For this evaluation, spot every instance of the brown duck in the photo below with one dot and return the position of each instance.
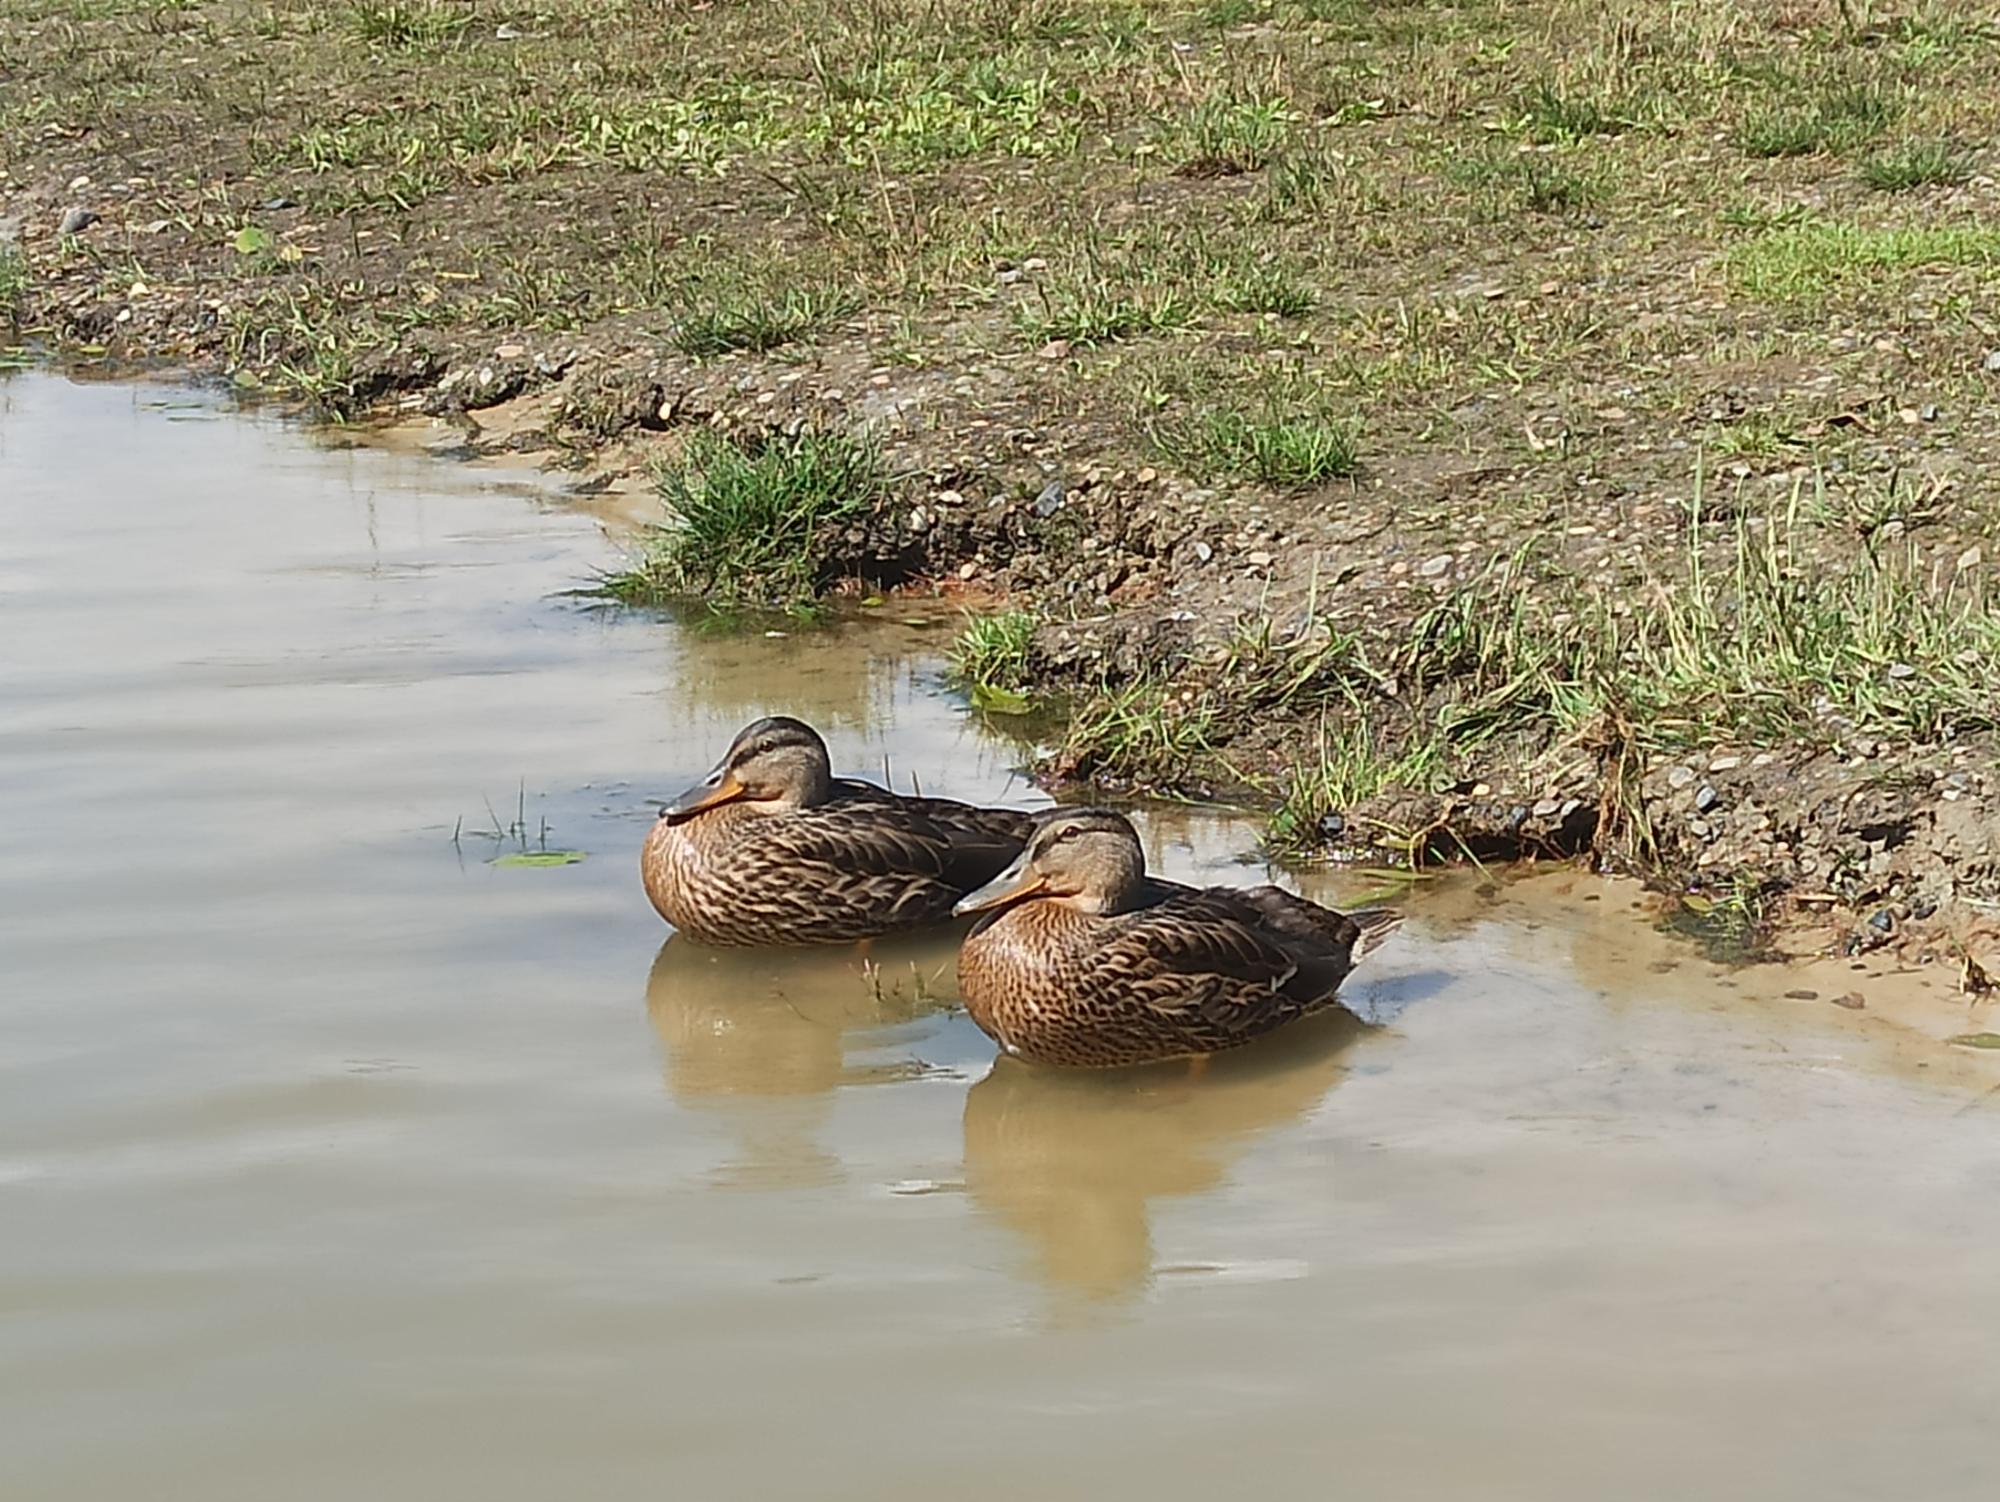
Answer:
(772, 848)
(1084, 959)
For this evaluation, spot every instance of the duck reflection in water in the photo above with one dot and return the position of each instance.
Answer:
(760, 1039)
(1075, 1163)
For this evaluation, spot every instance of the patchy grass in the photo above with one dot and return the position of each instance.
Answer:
(1807, 261)
(1915, 164)
(719, 318)
(1530, 181)
(13, 280)
(1100, 312)
(1222, 137)
(1553, 114)
(1288, 452)
(1837, 120)
(411, 26)
(1759, 637)
(751, 520)
(1144, 733)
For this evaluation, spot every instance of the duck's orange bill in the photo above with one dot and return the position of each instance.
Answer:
(1011, 885)
(718, 788)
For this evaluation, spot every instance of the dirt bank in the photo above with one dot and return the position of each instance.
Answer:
(1462, 429)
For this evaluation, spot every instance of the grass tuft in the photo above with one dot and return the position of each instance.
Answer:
(411, 27)
(1141, 733)
(718, 320)
(1222, 137)
(991, 656)
(1554, 116)
(752, 521)
(1099, 312)
(1264, 288)
(13, 281)
(1287, 451)
(1915, 164)
(1838, 120)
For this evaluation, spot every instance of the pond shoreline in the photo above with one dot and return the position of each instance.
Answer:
(1447, 515)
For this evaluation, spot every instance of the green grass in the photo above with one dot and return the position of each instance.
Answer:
(1532, 181)
(1808, 261)
(752, 520)
(1140, 733)
(1915, 164)
(717, 320)
(1839, 119)
(1101, 312)
(1284, 451)
(1767, 634)
(398, 24)
(13, 281)
(1554, 115)
(1762, 636)
(1353, 764)
(1264, 287)
(991, 656)
(1219, 137)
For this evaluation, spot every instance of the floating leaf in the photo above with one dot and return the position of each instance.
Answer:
(541, 858)
(251, 241)
(1976, 1040)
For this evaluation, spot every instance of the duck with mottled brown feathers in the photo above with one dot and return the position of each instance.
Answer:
(772, 848)
(1083, 959)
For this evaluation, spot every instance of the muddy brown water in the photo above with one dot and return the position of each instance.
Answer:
(337, 1160)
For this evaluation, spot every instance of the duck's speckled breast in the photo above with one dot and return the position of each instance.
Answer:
(1022, 975)
(684, 867)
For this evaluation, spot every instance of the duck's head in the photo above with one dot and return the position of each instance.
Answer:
(1088, 859)
(776, 763)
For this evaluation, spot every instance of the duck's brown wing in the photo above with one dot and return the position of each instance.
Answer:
(886, 857)
(1195, 971)
(974, 844)
(1221, 966)
(1325, 943)
(977, 825)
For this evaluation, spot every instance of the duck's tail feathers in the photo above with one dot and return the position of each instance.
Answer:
(1375, 925)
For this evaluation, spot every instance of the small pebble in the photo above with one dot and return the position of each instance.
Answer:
(1802, 995)
(1705, 799)
(75, 220)
(1854, 1001)
(1680, 777)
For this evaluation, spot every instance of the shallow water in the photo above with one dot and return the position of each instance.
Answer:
(337, 1161)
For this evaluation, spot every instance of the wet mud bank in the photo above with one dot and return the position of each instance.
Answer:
(1440, 454)
(1316, 659)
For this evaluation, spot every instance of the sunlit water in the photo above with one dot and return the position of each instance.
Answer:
(337, 1161)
